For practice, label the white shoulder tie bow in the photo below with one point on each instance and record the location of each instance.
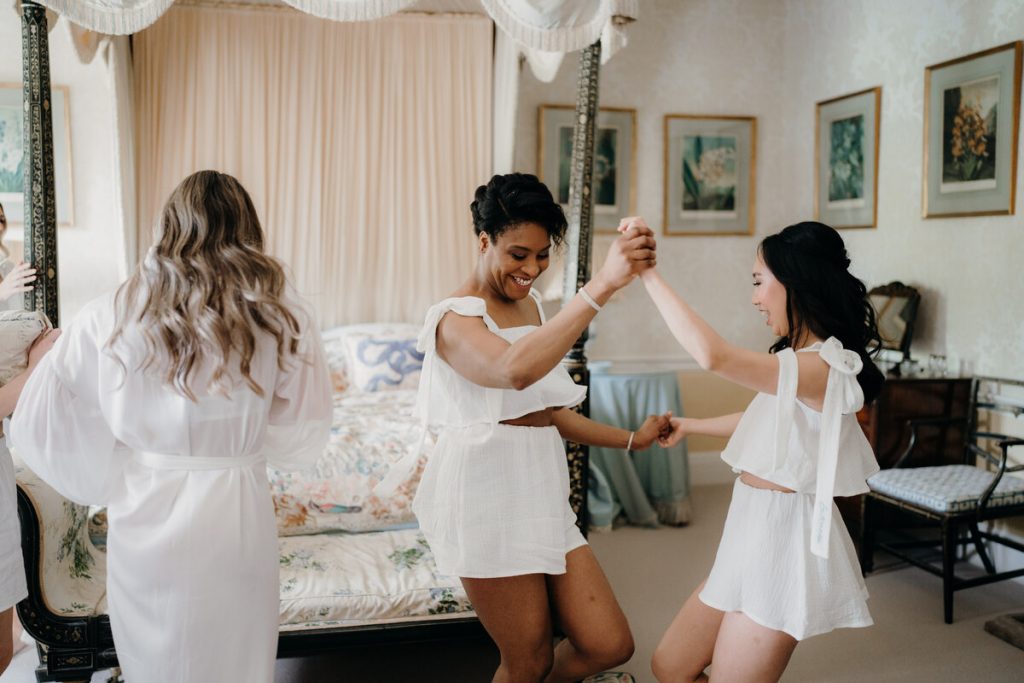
(843, 395)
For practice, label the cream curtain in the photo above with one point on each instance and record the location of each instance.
(361, 143)
(118, 57)
(506, 100)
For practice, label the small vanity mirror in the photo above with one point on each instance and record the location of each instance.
(896, 309)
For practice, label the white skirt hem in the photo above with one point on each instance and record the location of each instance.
(498, 507)
(796, 634)
(765, 569)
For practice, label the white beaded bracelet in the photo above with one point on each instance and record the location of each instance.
(629, 444)
(590, 300)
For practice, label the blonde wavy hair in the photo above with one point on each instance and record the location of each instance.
(205, 288)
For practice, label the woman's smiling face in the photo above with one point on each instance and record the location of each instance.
(515, 260)
(769, 298)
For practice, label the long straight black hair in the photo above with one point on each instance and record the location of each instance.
(822, 296)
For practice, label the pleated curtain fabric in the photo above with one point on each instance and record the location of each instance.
(361, 143)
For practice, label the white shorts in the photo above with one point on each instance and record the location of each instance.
(765, 568)
(498, 506)
(12, 569)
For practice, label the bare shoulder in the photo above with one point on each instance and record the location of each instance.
(813, 379)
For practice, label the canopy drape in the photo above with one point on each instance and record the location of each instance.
(552, 26)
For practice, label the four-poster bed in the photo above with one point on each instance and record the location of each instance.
(71, 647)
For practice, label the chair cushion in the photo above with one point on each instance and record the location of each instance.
(348, 579)
(947, 488)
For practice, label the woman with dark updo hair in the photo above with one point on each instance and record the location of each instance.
(493, 500)
(786, 567)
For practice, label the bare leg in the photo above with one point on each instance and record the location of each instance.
(6, 640)
(18, 644)
(687, 647)
(597, 634)
(517, 616)
(746, 651)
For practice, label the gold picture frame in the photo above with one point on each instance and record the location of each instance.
(970, 163)
(846, 147)
(614, 160)
(709, 175)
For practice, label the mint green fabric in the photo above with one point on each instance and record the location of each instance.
(652, 486)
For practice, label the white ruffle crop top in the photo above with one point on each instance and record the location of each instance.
(781, 440)
(448, 400)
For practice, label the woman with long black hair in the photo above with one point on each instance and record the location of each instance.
(786, 568)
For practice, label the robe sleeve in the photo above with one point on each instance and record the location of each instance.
(301, 409)
(58, 428)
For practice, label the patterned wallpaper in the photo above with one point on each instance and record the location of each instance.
(774, 60)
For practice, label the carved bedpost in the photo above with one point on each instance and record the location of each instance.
(40, 197)
(577, 258)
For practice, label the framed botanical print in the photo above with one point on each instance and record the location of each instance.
(709, 174)
(13, 159)
(614, 160)
(846, 159)
(971, 128)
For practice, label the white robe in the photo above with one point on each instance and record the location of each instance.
(192, 577)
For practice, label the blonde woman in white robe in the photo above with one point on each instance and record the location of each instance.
(164, 403)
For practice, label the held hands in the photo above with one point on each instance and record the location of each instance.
(653, 429)
(636, 223)
(632, 253)
(17, 281)
(676, 433)
(42, 345)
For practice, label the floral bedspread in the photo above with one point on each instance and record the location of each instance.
(349, 579)
(370, 431)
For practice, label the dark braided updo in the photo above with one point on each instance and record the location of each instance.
(507, 201)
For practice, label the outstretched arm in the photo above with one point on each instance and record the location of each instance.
(574, 427)
(486, 359)
(752, 369)
(721, 426)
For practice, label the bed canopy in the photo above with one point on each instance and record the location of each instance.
(542, 30)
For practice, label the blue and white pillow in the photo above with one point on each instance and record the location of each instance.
(383, 362)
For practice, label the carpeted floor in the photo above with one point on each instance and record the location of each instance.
(653, 570)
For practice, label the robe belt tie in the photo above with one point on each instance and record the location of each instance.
(164, 461)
